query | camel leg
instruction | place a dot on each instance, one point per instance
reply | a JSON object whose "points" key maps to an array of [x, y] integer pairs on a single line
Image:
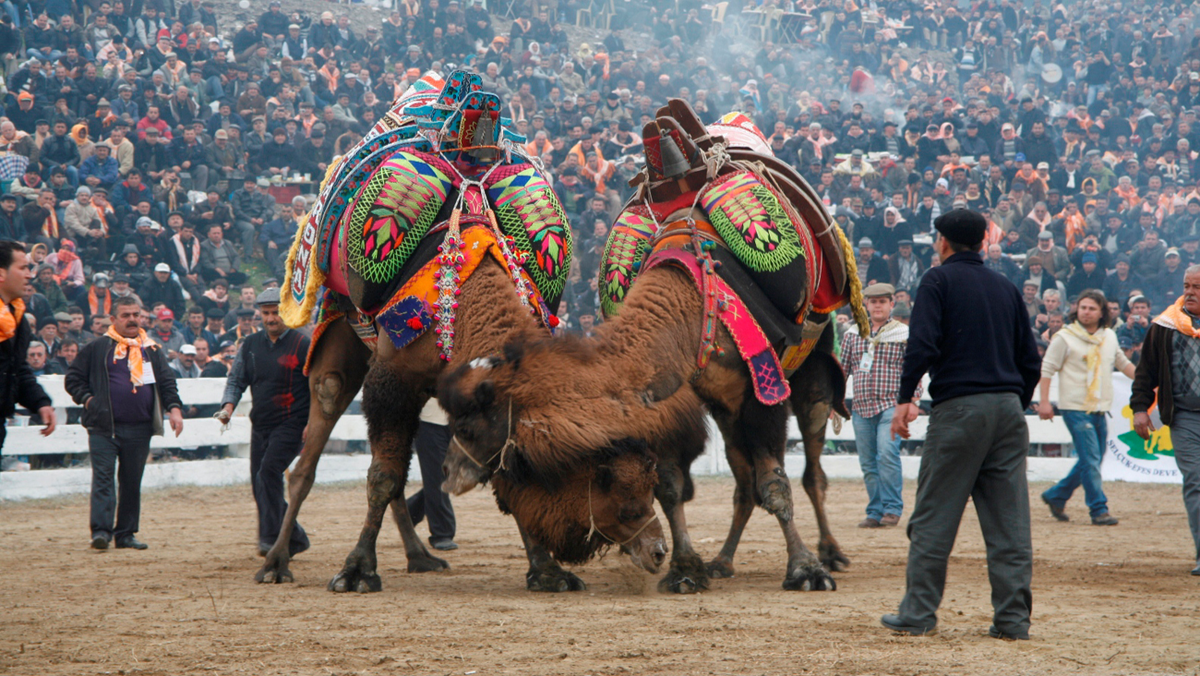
{"points": [[545, 574], [743, 502], [335, 376], [762, 432], [392, 400], [687, 574], [812, 402]]}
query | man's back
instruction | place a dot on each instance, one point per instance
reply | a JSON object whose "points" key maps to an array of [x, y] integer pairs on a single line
{"points": [[970, 330]]}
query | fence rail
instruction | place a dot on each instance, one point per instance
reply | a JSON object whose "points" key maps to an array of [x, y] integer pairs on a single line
{"points": [[27, 440]]}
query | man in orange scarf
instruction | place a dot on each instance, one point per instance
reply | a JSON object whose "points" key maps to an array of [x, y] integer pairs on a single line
{"points": [[1170, 364], [124, 384], [17, 383]]}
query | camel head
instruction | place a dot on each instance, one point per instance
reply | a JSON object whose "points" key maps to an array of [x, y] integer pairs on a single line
{"points": [[481, 428], [621, 504]]}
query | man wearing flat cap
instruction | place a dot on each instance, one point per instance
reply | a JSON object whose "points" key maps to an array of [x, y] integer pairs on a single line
{"points": [[970, 331], [874, 363], [271, 364]]}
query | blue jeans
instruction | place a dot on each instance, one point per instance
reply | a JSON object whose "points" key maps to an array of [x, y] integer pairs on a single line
{"points": [[879, 457], [1095, 92], [1089, 432]]}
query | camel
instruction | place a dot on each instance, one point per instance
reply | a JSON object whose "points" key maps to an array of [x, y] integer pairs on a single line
{"points": [[571, 393], [436, 309]]}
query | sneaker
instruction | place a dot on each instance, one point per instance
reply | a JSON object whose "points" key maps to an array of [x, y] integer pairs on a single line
{"points": [[890, 520], [1055, 510], [897, 623], [869, 522], [1104, 519]]}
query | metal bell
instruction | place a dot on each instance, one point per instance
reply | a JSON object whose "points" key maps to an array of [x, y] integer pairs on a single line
{"points": [[674, 163]]}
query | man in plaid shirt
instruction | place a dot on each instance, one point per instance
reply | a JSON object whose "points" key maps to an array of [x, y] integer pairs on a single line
{"points": [[875, 363]]}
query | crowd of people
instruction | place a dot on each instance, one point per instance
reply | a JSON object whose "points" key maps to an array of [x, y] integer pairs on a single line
{"points": [[141, 144]]}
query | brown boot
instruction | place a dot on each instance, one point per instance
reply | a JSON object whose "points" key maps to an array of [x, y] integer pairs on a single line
{"points": [[890, 520], [869, 523]]}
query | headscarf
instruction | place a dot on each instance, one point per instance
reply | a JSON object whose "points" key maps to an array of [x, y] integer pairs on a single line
{"points": [[136, 363]]}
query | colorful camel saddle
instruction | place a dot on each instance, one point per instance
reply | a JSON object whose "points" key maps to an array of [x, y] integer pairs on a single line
{"points": [[404, 217], [715, 200]]}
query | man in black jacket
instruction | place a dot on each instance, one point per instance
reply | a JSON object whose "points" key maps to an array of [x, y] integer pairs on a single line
{"points": [[17, 382], [271, 364], [1170, 365], [970, 331], [124, 383]]}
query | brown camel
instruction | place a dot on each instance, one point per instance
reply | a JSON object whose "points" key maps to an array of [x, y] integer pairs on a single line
{"points": [[632, 380], [396, 384]]}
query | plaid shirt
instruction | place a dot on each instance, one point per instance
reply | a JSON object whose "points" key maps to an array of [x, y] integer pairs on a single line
{"points": [[875, 391]]}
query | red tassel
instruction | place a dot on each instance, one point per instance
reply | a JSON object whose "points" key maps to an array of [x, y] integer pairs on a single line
{"points": [[415, 324], [553, 321]]}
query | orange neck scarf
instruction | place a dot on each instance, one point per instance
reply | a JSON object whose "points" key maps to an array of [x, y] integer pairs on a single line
{"points": [[123, 350], [10, 319], [1176, 318]]}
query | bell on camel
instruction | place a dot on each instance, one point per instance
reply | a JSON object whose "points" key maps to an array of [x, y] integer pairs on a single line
{"points": [[673, 161]]}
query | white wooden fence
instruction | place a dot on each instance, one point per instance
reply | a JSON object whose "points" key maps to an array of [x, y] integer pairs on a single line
{"points": [[27, 440]]}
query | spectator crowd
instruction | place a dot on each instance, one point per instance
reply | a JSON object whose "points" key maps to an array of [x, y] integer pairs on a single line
{"points": [[144, 145]]}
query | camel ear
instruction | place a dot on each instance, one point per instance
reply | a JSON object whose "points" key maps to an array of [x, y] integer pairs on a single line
{"points": [[605, 477], [485, 394]]}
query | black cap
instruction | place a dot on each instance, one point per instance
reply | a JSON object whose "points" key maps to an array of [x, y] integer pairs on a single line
{"points": [[214, 313], [962, 226], [121, 278], [245, 312]]}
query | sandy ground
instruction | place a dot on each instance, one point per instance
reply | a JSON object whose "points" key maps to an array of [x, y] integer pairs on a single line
{"points": [[1106, 600]]}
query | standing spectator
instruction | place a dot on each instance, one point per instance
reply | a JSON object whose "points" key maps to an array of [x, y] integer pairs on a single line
{"points": [[430, 443], [124, 383], [1170, 367], [18, 385], [874, 363], [271, 364], [977, 439], [1083, 355]]}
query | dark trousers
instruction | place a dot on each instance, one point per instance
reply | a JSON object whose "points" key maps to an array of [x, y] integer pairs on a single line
{"points": [[272, 449], [430, 444], [975, 448], [117, 466]]}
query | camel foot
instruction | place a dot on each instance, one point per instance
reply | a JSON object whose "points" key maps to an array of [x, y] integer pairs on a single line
{"points": [[275, 568], [776, 495], [553, 579], [832, 557], [809, 577], [426, 563], [720, 568], [686, 576], [358, 575]]}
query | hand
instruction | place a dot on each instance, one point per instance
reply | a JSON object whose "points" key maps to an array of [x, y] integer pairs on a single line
{"points": [[1142, 425], [272, 245], [904, 414], [225, 414], [1045, 410], [46, 413], [176, 419]]}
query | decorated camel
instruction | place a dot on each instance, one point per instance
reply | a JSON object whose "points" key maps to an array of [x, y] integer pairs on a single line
{"points": [[432, 241], [738, 269]]}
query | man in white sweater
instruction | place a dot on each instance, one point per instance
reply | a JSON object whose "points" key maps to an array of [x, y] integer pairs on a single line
{"points": [[1083, 355]]}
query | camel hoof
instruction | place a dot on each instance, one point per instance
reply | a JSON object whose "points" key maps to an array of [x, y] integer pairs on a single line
{"points": [[833, 559], [776, 496], [553, 581], [356, 576], [274, 570], [810, 579], [720, 569], [687, 575], [426, 563]]}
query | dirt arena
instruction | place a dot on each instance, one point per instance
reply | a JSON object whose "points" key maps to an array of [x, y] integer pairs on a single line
{"points": [[1106, 601]]}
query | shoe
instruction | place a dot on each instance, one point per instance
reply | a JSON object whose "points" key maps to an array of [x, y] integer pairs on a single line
{"points": [[1008, 636], [1196, 570], [99, 541], [130, 542], [1055, 510], [890, 520], [294, 549], [869, 523], [443, 544], [1104, 519], [897, 623]]}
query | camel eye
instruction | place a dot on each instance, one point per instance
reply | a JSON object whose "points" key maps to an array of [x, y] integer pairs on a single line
{"points": [[628, 514]]}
